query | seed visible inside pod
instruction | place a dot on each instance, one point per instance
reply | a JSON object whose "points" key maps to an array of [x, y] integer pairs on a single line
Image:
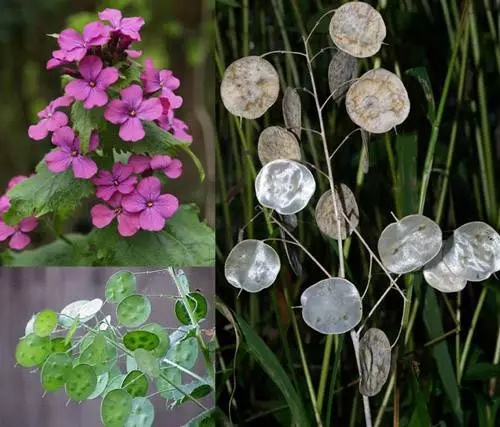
{"points": [[378, 101], [409, 244], [292, 111], [375, 361], [277, 143], [250, 86], [358, 29], [342, 69], [475, 251], [438, 275], [325, 213], [285, 186], [331, 306], [252, 265]]}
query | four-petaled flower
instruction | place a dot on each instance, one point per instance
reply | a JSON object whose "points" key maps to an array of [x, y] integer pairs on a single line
{"points": [[119, 181], [74, 45], [127, 26], [175, 126], [130, 110], [50, 119], [68, 153], [172, 168], [139, 163], [154, 208], [18, 237], [96, 79], [164, 80], [103, 215]]}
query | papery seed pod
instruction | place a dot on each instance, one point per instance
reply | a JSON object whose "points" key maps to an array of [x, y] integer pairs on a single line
{"points": [[358, 29], [285, 186], [474, 253], [250, 86], [375, 361], [378, 101], [365, 161], [331, 306], [292, 111], [325, 213], [342, 70], [252, 265], [277, 143], [438, 275], [409, 244], [290, 222]]}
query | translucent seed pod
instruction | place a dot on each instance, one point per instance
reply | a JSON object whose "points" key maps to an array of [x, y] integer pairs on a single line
{"points": [[285, 186], [292, 111], [342, 70], [331, 306], [378, 101], [276, 143], [375, 361], [252, 265], [325, 213], [250, 86], [409, 244], [358, 29]]}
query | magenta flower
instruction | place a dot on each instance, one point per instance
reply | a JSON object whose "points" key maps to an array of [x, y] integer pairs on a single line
{"points": [[75, 45], [4, 204], [134, 54], [103, 215], [152, 206], [58, 58], [16, 180], [139, 163], [68, 153], [18, 237], [172, 168], [96, 79], [127, 26], [50, 119], [176, 127], [130, 110], [119, 181], [164, 80]]}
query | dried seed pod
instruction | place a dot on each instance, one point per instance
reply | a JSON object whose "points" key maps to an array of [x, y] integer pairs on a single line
{"points": [[325, 213], [475, 251], [409, 244], [375, 361], [331, 306], [252, 265], [378, 101], [292, 110], [342, 69], [438, 275], [250, 86], [285, 186], [358, 29], [277, 143]]}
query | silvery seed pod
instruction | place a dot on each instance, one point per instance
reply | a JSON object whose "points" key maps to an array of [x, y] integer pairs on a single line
{"points": [[276, 143], [292, 111], [375, 361], [342, 70]]}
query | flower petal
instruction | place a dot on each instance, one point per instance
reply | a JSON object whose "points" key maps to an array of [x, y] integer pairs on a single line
{"points": [[128, 224], [150, 109], [96, 33], [5, 231], [63, 137], [70, 39], [58, 161], [97, 98], [139, 163], [39, 131], [128, 185], [134, 202], [104, 177], [77, 88], [94, 141], [160, 162], [113, 16], [102, 216], [62, 101], [166, 205], [116, 112], [149, 188], [152, 220], [134, 54], [121, 171], [19, 241], [105, 192], [83, 167], [150, 77], [175, 101], [28, 224], [131, 27], [4, 204], [90, 67], [132, 96], [174, 170], [168, 80], [107, 77], [132, 130], [58, 120]]}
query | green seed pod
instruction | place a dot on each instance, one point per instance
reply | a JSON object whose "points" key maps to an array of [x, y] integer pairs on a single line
{"points": [[141, 339], [81, 382], [120, 285], [116, 408], [136, 384], [45, 323], [133, 310], [33, 350]]}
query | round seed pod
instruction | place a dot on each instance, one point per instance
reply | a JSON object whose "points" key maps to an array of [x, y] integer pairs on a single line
{"points": [[71, 312], [55, 371], [378, 101], [342, 69], [331, 306], [147, 362], [32, 350], [136, 384], [250, 86], [475, 251], [90, 309], [115, 408], [409, 244], [292, 111], [358, 29], [158, 330], [81, 382], [325, 213], [438, 275], [142, 413], [141, 339], [120, 285], [184, 353], [375, 361], [252, 265], [277, 143], [102, 382], [45, 323], [133, 311], [285, 186]]}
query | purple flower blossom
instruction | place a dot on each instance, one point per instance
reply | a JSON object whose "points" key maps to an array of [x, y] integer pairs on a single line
{"points": [[134, 54], [96, 79], [68, 153], [75, 45], [152, 206], [103, 215], [127, 26], [50, 119], [139, 163], [119, 181], [18, 237], [164, 80], [168, 122], [58, 58], [172, 168], [130, 110], [4, 204]]}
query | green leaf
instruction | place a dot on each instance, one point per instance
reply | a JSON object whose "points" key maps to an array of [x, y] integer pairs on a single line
{"points": [[130, 75], [84, 122], [421, 74], [147, 362], [440, 352], [196, 389], [420, 415], [481, 372], [406, 191]]}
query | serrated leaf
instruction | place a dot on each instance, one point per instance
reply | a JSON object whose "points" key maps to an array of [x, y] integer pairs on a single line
{"points": [[84, 122]]}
